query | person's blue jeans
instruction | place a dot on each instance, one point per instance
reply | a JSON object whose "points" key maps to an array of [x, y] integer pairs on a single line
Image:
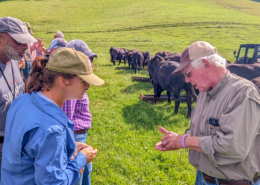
{"points": [[85, 176], [201, 181]]}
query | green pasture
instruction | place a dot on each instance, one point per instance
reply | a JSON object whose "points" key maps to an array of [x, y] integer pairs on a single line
{"points": [[125, 129]]}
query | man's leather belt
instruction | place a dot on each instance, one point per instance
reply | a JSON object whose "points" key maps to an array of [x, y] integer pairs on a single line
{"points": [[83, 131], [227, 182]]}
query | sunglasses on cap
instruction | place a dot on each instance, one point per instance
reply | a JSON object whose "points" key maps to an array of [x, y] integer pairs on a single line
{"points": [[56, 45]]}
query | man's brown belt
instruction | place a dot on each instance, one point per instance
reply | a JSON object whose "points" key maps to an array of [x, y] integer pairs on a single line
{"points": [[227, 182], [81, 131]]}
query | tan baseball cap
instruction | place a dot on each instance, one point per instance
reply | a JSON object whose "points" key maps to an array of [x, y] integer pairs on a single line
{"points": [[194, 51], [67, 60]]}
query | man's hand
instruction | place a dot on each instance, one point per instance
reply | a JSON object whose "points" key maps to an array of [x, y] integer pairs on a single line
{"points": [[170, 141]]}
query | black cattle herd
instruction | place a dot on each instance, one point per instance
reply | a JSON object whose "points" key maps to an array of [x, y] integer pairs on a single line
{"points": [[163, 64]]}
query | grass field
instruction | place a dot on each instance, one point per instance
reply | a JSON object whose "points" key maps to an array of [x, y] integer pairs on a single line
{"points": [[125, 129]]}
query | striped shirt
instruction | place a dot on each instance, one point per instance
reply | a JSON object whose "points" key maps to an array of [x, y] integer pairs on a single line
{"points": [[78, 112]]}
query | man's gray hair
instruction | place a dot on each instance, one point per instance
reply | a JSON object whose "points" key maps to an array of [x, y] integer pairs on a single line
{"points": [[214, 59], [60, 33]]}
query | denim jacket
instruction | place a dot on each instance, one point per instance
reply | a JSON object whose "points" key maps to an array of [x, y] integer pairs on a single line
{"points": [[38, 144]]}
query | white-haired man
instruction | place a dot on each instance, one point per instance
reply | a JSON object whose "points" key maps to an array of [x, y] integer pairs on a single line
{"points": [[224, 132], [58, 34]]}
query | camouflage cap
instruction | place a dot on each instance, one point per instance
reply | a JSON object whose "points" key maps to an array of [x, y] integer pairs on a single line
{"points": [[80, 45], [58, 43], [16, 29], [67, 60]]}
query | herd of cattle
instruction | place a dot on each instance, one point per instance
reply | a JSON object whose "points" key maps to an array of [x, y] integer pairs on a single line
{"points": [[163, 64], [135, 58]]}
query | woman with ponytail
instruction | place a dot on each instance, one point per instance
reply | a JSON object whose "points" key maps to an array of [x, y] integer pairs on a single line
{"points": [[39, 146]]}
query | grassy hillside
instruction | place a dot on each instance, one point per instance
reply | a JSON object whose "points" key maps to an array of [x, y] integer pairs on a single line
{"points": [[125, 129]]}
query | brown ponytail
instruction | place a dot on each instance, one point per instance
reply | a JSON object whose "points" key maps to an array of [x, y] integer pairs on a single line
{"points": [[41, 77]]}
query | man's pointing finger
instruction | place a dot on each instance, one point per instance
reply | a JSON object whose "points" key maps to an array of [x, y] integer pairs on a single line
{"points": [[163, 130]]}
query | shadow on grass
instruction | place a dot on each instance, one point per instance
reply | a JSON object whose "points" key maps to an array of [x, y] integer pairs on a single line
{"points": [[124, 71], [148, 116], [139, 86], [109, 65], [132, 72], [116, 64]]}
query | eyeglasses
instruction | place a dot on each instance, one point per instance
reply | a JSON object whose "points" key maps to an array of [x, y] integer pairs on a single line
{"points": [[187, 74], [55, 36]]}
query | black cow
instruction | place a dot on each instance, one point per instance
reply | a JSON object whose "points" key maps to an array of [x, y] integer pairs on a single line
{"points": [[173, 57], [117, 54], [137, 61], [173, 84], [163, 54], [247, 71], [147, 57], [128, 56], [152, 64]]}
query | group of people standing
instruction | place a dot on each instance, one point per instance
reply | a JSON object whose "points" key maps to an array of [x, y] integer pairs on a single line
{"points": [[43, 132]]}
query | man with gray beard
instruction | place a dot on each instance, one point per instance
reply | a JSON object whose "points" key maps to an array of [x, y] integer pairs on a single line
{"points": [[14, 37]]}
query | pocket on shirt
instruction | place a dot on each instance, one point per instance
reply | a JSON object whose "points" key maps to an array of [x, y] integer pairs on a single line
{"points": [[214, 129]]}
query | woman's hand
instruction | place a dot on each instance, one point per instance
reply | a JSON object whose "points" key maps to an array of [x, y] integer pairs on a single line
{"points": [[89, 153], [81, 171], [79, 147]]}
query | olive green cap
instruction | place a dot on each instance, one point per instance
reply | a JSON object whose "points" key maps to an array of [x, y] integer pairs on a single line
{"points": [[70, 61]]}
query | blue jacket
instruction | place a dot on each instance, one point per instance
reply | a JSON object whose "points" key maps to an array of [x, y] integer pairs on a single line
{"points": [[38, 144]]}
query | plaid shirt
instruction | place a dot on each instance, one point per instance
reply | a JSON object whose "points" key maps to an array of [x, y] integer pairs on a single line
{"points": [[78, 112]]}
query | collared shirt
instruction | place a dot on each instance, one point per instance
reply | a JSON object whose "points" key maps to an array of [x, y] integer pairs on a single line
{"points": [[78, 112], [231, 150], [39, 141]]}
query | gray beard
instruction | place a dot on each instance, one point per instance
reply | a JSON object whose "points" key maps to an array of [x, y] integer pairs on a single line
{"points": [[11, 53]]}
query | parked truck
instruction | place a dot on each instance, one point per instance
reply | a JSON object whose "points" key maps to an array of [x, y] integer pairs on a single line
{"points": [[248, 54]]}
